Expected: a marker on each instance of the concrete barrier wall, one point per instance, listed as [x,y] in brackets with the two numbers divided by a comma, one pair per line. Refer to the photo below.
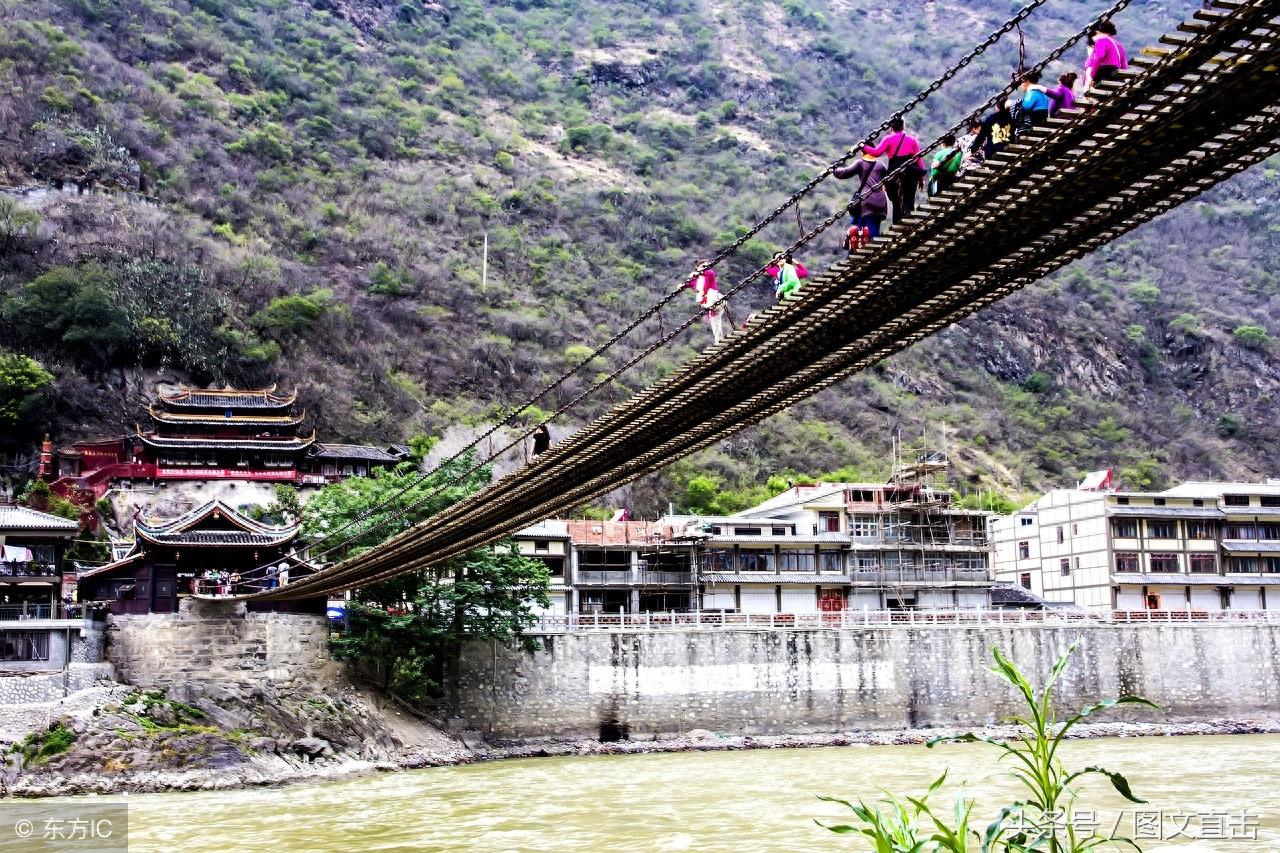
[664,684]
[216,643]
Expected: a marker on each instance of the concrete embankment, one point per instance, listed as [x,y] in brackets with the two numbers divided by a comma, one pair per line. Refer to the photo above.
[661,685]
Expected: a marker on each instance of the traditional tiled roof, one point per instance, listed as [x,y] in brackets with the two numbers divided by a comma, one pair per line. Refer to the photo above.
[109,567]
[1251,511]
[214,419]
[281,444]
[1012,595]
[353,451]
[245,531]
[228,398]
[14,518]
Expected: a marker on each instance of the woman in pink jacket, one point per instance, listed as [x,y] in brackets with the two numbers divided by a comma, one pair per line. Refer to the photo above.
[904,151]
[1107,56]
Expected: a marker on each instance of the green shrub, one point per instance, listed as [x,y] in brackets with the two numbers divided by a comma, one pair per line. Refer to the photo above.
[294,314]
[1253,337]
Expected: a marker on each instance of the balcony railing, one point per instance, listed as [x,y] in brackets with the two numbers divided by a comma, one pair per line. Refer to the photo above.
[597,577]
[23,612]
[28,570]
[917,575]
[853,619]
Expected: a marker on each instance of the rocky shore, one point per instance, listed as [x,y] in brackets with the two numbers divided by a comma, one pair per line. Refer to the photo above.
[146,743]
[701,740]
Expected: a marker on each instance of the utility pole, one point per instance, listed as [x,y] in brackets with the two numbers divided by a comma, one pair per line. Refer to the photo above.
[484,263]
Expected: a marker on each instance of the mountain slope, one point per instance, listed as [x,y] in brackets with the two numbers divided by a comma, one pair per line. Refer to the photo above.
[317,179]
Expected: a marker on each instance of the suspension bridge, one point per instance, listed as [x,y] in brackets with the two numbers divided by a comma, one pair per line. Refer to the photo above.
[1191,112]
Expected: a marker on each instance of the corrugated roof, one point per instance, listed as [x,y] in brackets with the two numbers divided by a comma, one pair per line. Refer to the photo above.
[771,578]
[1195,579]
[1166,511]
[1251,511]
[1238,547]
[24,518]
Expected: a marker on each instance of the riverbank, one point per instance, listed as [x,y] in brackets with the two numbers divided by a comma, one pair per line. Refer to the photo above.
[276,764]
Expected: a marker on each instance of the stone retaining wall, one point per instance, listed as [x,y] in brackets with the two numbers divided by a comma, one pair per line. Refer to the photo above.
[663,684]
[217,643]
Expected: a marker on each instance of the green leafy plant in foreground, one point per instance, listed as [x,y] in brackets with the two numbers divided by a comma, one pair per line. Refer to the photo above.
[1038,822]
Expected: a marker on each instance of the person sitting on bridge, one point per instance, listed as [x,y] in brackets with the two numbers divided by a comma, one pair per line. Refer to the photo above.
[707,292]
[1033,106]
[903,150]
[1107,56]
[870,204]
[1062,96]
[945,166]
[786,274]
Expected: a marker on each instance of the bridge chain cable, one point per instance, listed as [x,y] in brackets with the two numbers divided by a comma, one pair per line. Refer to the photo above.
[755,275]
[329,579]
[653,310]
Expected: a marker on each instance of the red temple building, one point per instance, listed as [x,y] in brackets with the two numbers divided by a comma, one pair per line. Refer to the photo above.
[214,434]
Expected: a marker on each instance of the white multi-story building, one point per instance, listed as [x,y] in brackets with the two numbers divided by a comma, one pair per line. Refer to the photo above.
[1198,546]
[820,547]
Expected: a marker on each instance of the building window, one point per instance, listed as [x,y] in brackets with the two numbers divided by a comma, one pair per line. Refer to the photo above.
[1243,565]
[1064,566]
[1024,580]
[1026,520]
[861,496]
[1024,550]
[777,531]
[555,566]
[1204,564]
[746,531]
[1164,563]
[1153,601]
[1199,530]
[1158,501]
[1161,530]
[865,527]
[1236,530]
[719,560]
[756,561]
[796,561]
[1197,502]
[1124,528]
[828,522]
[1122,501]
[1269,500]
[1271,565]
[831,561]
[1269,532]
[541,545]
[1235,500]
[24,645]
[1062,535]
[1127,563]
[1075,530]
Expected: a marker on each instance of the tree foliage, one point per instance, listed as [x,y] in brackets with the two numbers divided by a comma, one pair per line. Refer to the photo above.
[24,387]
[410,630]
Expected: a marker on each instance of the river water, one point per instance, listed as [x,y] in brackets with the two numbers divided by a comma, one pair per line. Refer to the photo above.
[744,802]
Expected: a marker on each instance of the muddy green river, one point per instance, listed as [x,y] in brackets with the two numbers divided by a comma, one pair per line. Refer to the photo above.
[1205,793]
